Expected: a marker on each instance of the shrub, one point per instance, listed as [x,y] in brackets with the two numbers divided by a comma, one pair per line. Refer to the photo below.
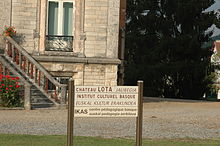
[9,91]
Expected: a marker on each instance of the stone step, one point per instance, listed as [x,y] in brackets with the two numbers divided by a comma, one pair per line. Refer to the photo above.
[39,99]
[42,105]
[35,92]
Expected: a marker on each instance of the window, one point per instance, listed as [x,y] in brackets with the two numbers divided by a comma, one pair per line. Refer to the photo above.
[62,80]
[60,20]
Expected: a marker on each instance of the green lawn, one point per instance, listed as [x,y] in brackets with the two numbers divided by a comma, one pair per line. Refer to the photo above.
[29,140]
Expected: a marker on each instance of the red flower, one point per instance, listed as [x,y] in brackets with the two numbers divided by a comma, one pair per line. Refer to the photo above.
[17,86]
[8,76]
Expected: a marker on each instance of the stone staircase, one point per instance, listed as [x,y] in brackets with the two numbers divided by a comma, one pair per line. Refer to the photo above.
[34,77]
[38,100]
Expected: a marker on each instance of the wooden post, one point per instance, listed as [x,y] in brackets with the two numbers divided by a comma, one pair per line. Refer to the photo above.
[13,53]
[17,57]
[46,84]
[32,71]
[28,67]
[20,60]
[139,120]
[24,65]
[70,113]
[35,75]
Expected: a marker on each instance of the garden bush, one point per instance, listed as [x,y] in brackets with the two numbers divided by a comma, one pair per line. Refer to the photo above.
[9,91]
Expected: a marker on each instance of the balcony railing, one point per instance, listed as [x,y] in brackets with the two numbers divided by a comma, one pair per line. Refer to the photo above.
[59,43]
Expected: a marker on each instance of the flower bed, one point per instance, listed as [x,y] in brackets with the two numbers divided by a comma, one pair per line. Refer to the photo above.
[9,91]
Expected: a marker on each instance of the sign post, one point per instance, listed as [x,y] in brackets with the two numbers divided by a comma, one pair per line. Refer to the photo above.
[70,113]
[139,120]
[105,101]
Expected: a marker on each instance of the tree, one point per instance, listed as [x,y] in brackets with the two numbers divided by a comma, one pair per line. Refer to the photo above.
[164,41]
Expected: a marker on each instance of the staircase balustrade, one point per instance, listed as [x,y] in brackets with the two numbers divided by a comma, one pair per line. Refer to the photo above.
[34,71]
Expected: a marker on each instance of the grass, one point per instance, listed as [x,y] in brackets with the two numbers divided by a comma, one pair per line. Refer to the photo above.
[30,140]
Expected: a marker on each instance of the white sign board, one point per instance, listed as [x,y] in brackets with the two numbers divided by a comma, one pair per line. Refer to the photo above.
[106,101]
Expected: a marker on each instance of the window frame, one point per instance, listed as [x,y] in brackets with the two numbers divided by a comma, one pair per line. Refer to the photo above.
[78,27]
[60,24]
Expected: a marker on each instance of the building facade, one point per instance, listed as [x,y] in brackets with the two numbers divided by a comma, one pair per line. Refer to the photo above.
[76,39]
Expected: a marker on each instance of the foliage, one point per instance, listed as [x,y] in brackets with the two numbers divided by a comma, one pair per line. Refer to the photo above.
[9,91]
[9,31]
[212,78]
[164,46]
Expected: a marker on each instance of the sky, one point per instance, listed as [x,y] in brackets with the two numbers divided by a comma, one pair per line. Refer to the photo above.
[214,7]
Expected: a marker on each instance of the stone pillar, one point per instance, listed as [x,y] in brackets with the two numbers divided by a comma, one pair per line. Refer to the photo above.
[5,18]
[63,97]
[77,27]
[43,8]
[27,96]
[82,31]
[113,28]
[79,34]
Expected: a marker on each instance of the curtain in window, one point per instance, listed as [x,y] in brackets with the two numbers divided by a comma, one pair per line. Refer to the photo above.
[53,18]
[67,18]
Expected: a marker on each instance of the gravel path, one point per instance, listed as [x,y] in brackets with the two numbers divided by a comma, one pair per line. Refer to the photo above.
[161,120]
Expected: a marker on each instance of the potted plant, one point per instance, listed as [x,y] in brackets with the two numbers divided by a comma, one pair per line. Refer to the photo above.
[9,31]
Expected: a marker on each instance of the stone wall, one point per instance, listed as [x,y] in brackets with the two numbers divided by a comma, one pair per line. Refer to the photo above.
[101,28]
[5,12]
[101,25]
[86,74]
[25,15]
[100,75]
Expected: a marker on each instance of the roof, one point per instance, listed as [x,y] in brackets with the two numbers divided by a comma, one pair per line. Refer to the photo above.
[217,47]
